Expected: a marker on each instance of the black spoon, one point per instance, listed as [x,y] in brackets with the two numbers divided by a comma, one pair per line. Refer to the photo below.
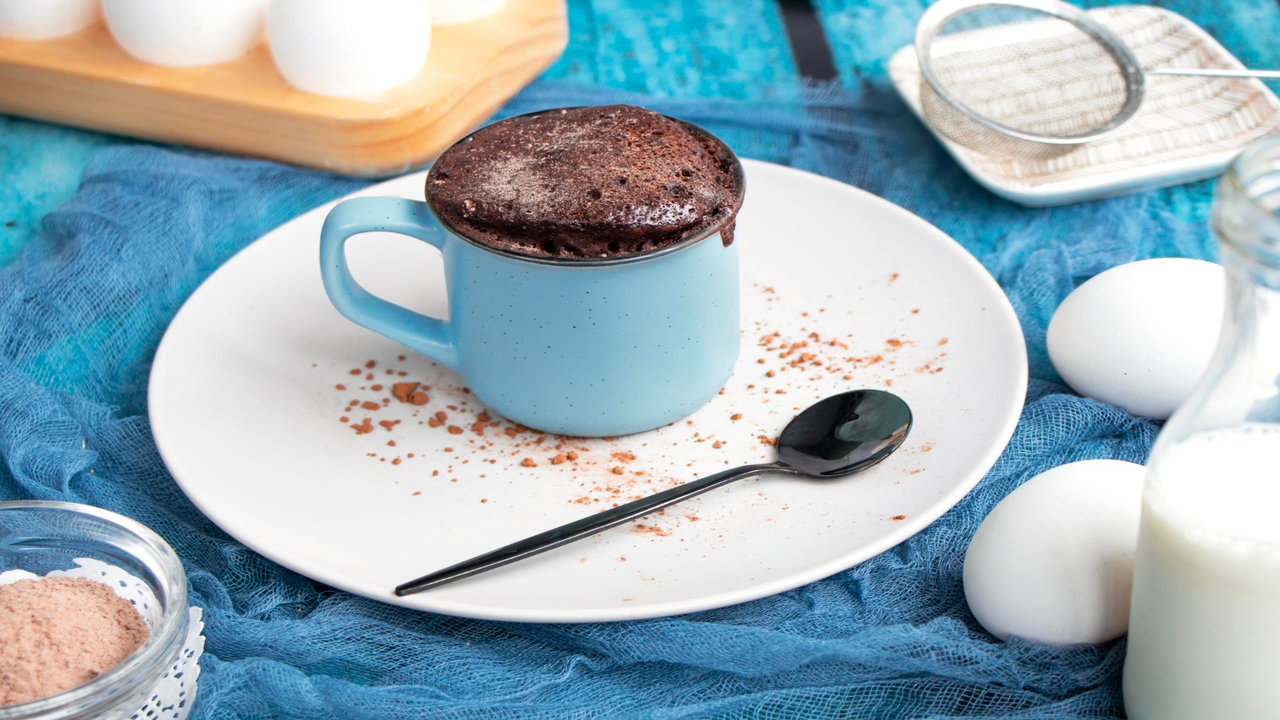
[838,436]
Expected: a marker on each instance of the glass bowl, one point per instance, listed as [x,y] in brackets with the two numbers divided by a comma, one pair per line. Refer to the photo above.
[41,537]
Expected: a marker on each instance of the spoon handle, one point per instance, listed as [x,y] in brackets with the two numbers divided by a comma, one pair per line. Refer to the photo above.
[579,529]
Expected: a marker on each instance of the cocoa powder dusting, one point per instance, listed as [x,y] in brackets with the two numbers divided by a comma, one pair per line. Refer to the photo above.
[795,359]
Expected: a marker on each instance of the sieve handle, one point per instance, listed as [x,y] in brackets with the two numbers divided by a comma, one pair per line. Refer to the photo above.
[1218,72]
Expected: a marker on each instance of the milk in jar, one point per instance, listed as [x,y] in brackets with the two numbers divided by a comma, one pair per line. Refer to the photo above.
[1204,620]
[1205,625]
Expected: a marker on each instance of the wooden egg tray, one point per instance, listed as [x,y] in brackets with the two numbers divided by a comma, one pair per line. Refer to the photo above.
[245,106]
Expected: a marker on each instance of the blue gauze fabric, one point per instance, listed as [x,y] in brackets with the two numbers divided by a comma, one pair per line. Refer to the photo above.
[85,303]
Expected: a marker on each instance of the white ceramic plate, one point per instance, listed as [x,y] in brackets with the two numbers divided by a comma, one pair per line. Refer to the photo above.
[246,414]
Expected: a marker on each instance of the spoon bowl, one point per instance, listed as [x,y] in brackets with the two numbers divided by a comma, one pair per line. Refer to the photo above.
[838,436]
[844,434]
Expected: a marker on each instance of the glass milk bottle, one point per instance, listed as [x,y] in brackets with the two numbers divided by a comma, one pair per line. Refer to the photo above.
[1204,629]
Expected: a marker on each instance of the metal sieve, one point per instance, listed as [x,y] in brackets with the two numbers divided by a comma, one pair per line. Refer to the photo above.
[1029,78]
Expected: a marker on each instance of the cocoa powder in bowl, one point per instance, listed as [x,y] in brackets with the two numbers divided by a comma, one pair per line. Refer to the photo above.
[58,633]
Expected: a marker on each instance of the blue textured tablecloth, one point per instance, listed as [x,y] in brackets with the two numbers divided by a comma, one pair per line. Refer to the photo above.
[104,237]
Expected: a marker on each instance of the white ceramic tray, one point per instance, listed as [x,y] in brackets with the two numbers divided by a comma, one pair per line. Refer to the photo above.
[1189,128]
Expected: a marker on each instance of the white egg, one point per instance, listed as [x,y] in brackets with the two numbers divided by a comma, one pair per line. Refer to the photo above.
[1140,336]
[46,19]
[1053,562]
[186,33]
[348,49]
[453,12]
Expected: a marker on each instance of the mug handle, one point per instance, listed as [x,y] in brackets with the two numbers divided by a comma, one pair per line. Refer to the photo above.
[427,335]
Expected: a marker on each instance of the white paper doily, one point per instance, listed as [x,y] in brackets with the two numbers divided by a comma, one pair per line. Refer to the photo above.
[173,693]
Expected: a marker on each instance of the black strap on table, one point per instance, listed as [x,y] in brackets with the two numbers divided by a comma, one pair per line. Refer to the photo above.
[808,41]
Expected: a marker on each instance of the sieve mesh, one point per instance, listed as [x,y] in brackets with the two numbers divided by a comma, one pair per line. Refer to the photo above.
[1031,76]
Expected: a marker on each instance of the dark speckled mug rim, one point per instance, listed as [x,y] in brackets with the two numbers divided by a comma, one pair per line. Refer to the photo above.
[695,238]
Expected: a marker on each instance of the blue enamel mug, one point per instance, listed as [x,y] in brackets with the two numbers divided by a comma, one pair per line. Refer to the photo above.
[585,347]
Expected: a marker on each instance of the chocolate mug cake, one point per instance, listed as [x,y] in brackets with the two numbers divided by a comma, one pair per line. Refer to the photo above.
[589,182]
[589,262]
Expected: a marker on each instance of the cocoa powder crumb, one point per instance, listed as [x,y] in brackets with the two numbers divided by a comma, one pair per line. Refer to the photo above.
[650,529]
[354,371]
[339,386]
[370,364]
[403,390]
[367,405]
[736,416]
[617,470]
[899,518]
[528,462]
[419,398]
[455,430]
[364,428]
